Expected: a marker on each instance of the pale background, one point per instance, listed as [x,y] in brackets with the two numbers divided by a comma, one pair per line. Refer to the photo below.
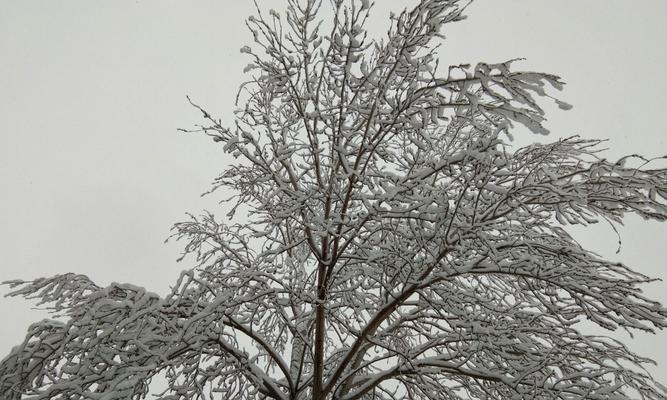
[93,172]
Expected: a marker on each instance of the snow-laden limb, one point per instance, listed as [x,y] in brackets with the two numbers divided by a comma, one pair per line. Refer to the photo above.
[118,338]
[398,245]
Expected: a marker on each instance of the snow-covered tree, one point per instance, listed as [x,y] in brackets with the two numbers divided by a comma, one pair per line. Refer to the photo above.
[393,242]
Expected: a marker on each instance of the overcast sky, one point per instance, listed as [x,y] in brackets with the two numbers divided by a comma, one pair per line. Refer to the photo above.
[93,172]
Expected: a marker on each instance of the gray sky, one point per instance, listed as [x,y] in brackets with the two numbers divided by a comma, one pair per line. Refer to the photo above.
[93,172]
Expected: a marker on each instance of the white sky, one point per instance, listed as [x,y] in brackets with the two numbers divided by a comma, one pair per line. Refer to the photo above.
[93,172]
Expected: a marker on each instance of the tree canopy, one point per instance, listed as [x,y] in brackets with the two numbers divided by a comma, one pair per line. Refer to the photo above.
[384,239]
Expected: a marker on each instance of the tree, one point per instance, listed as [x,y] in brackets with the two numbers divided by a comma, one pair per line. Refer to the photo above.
[397,245]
